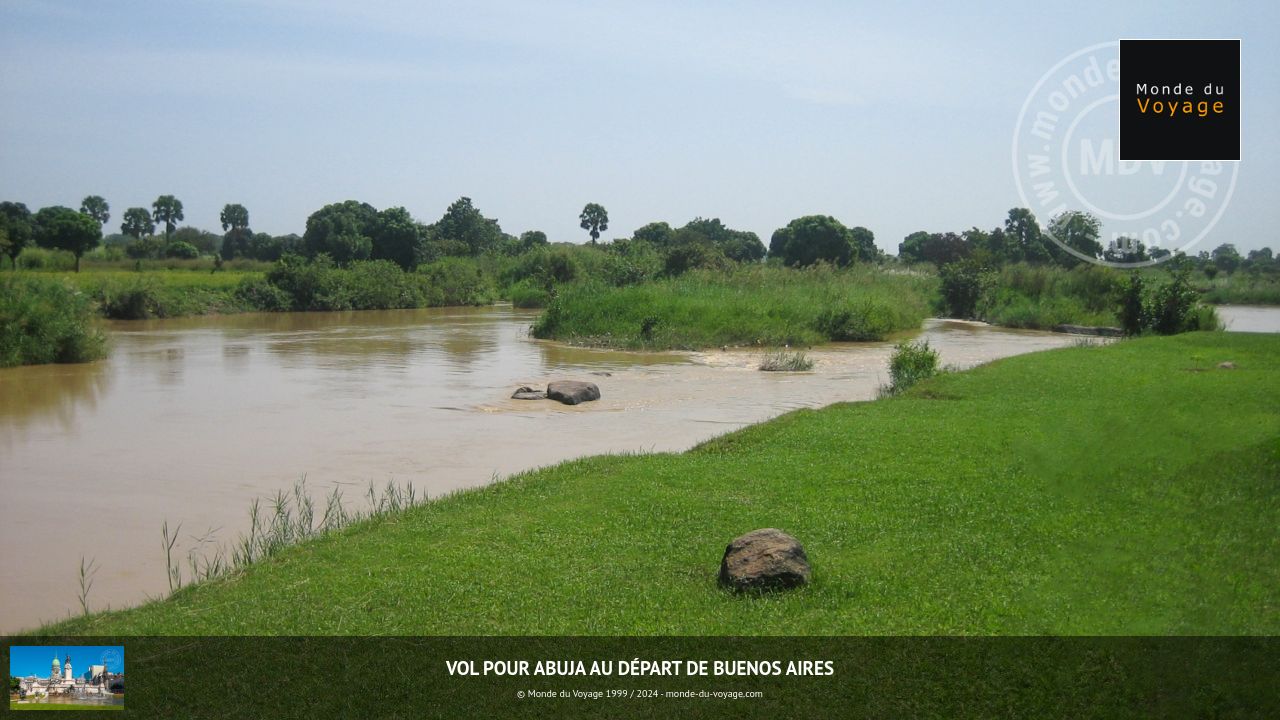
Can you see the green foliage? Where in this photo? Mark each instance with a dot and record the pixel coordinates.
(531, 239)
(138, 223)
(657, 234)
(457, 281)
(1043, 296)
(963, 284)
(528, 293)
(1133, 316)
(180, 249)
(167, 209)
(1078, 231)
(813, 238)
(44, 320)
(96, 207)
(464, 225)
(594, 219)
(911, 362)
(1174, 306)
(16, 231)
(341, 231)
(65, 229)
(397, 237)
(747, 305)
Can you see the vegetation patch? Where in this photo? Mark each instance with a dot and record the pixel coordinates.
(44, 320)
(751, 305)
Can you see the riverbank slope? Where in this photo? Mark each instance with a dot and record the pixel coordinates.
(1126, 489)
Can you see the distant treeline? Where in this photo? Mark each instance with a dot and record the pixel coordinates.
(351, 231)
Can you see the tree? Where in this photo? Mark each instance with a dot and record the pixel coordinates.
(167, 209)
(137, 223)
(65, 229)
(464, 223)
(1023, 240)
(530, 239)
(738, 245)
(396, 237)
(864, 244)
(97, 208)
(235, 223)
(1078, 231)
(657, 234)
(809, 239)
(16, 231)
(341, 231)
(594, 219)
(1227, 258)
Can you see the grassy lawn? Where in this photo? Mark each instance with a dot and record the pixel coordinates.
(1128, 489)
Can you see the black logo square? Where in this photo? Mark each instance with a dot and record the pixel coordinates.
(1179, 99)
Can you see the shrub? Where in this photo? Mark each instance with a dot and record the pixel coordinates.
(529, 294)
(255, 293)
(911, 363)
(38, 258)
(867, 320)
(1173, 305)
(46, 321)
(963, 284)
(1133, 316)
(135, 298)
(381, 284)
(179, 249)
(456, 281)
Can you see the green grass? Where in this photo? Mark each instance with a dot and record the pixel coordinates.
(1122, 489)
(750, 305)
(1241, 289)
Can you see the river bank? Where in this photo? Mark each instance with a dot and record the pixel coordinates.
(977, 503)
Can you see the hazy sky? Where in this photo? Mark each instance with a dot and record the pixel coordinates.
(895, 116)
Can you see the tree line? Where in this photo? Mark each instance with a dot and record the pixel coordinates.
(352, 230)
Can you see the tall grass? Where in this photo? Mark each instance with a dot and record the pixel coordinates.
(786, 361)
(44, 320)
(750, 305)
(1043, 296)
(281, 521)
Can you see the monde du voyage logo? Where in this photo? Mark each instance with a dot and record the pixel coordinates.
(1180, 100)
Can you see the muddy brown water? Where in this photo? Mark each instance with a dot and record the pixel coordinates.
(190, 419)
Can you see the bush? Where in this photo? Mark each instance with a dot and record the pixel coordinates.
(867, 320)
(256, 293)
(529, 294)
(46, 321)
(135, 298)
(456, 281)
(911, 363)
(179, 249)
(963, 284)
(38, 258)
(1133, 315)
(381, 284)
(1174, 306)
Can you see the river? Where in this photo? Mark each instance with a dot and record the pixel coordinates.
(190, 419)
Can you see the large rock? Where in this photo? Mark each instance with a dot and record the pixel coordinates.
(572, 392)
(766, 559)
(528, 393)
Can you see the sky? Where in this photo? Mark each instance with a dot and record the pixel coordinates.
(895, 116)
(37, 660)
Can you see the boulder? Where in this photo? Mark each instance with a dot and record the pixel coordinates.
(528, 393)
(572, 392)
(766, 559)
(1228, 365)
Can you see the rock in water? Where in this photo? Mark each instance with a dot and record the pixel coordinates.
(766, 559)
(528, 393)
(572, 392)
